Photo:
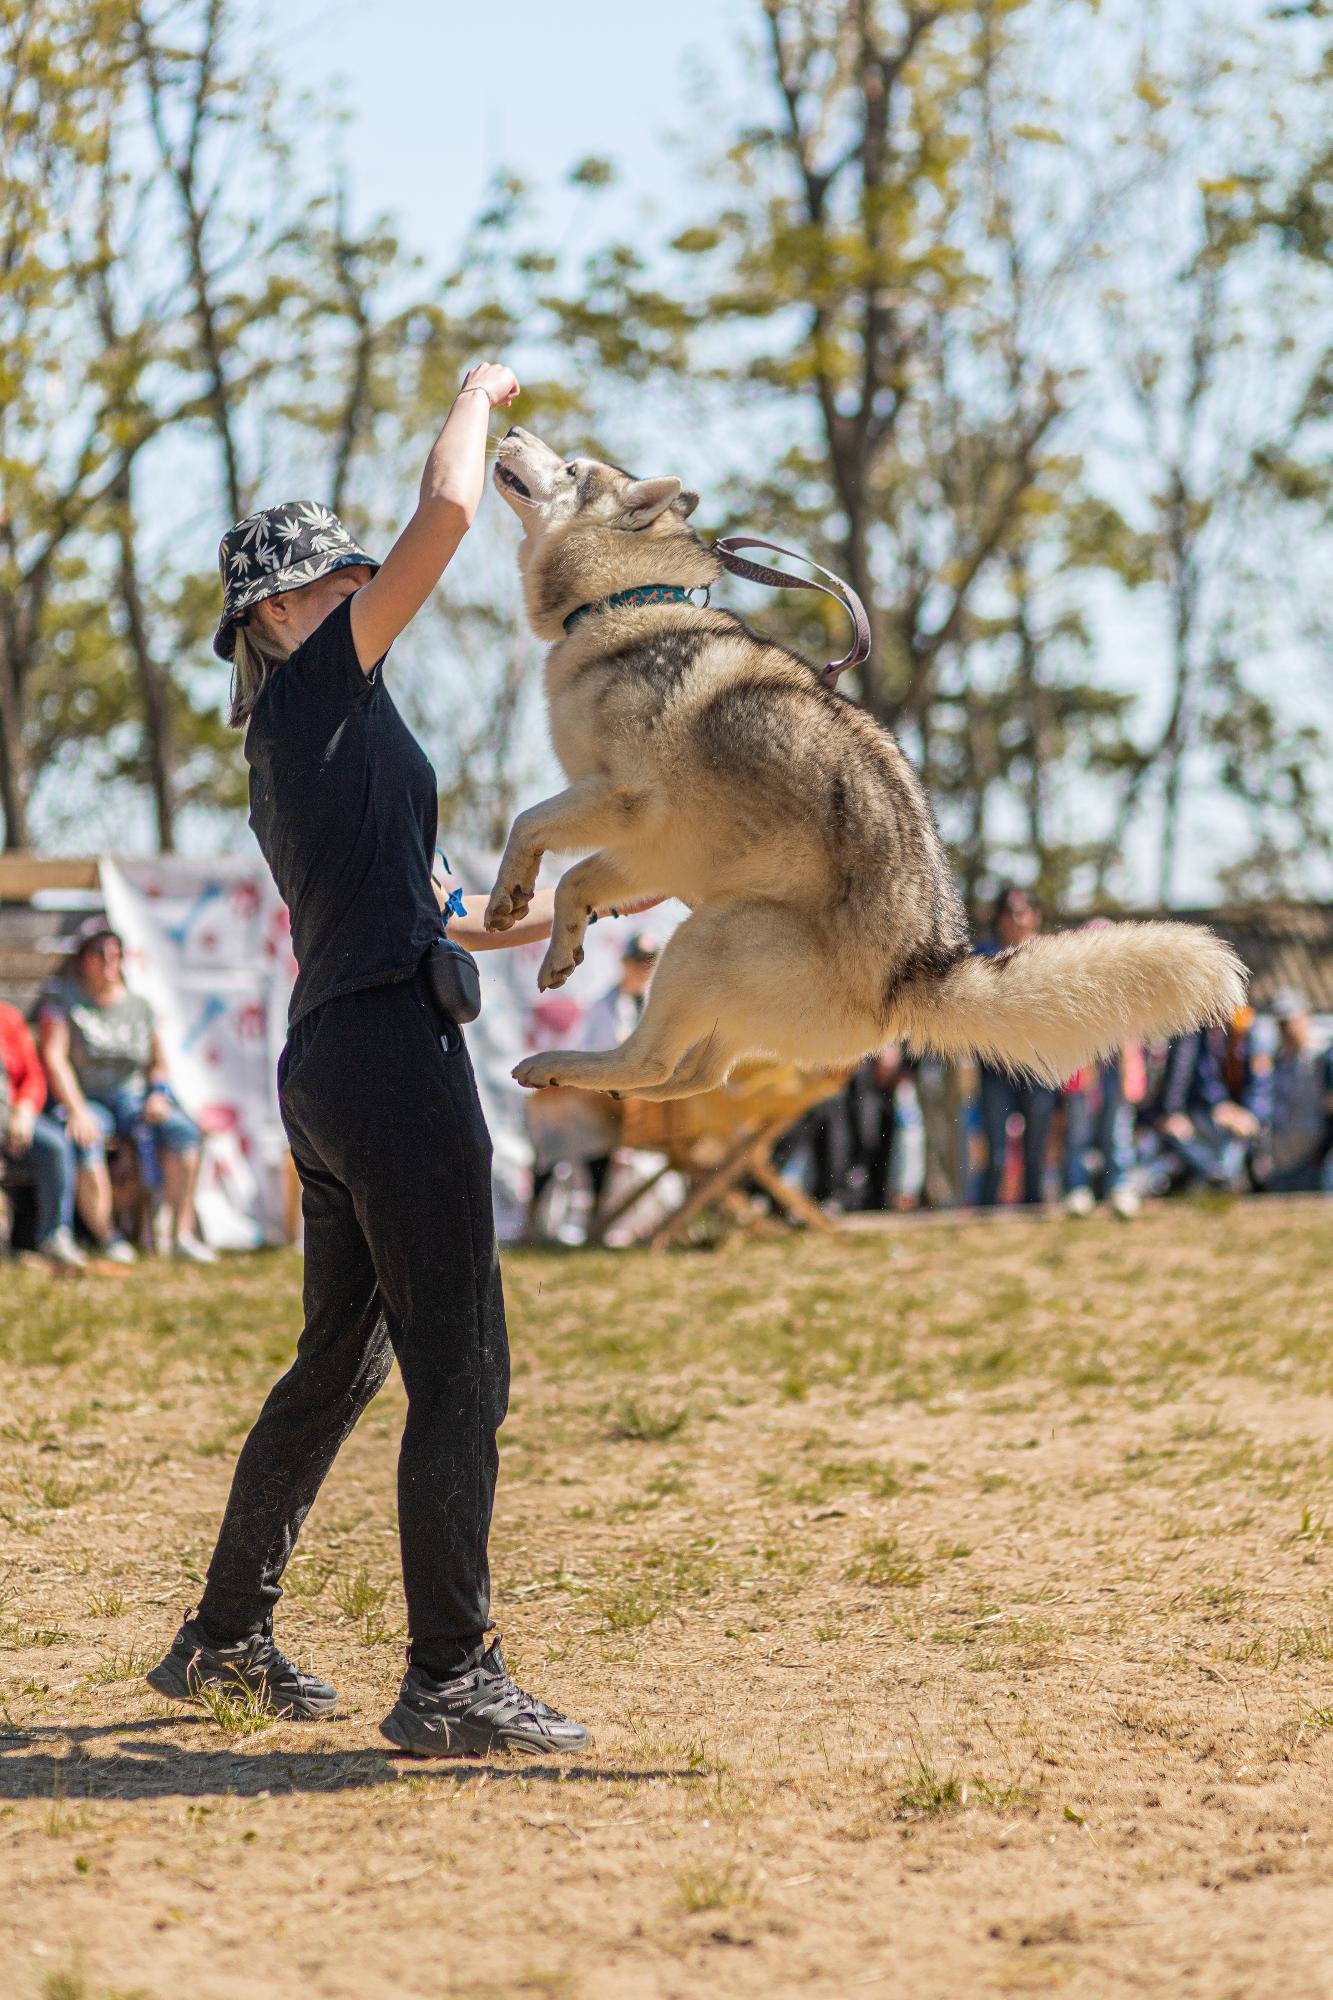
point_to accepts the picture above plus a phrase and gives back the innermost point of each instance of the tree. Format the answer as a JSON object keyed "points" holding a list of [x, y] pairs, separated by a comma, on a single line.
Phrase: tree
{"points": [[901, 291], [71, 423], [1204, 331]]}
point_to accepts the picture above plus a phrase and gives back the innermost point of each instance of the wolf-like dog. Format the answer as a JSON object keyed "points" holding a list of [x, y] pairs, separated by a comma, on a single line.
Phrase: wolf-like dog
{"points": [[710, 764]]}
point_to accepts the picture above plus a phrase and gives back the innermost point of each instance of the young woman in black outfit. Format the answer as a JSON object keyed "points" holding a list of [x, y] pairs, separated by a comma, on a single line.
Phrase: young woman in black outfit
{"points": [[381, 1108]]}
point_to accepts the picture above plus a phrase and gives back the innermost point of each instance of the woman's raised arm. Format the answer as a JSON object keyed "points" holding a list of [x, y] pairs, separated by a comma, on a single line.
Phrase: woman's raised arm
{"points": [[451, 489]]}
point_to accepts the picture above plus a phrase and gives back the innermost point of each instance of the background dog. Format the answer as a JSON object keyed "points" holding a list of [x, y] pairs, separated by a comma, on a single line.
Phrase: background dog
{"points": [[707, 763]]}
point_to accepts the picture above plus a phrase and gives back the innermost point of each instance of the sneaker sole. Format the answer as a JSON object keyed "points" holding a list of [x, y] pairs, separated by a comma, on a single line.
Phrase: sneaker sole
{"points": [[170, 1679], [449, 1742]]}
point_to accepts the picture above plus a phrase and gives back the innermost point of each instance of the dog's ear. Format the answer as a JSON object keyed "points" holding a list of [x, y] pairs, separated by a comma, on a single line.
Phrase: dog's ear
{"points": [[685, 503], [645, 499]]}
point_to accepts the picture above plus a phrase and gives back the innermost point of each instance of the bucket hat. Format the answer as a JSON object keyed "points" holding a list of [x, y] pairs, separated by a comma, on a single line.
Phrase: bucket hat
{"points": [[279, 548]]}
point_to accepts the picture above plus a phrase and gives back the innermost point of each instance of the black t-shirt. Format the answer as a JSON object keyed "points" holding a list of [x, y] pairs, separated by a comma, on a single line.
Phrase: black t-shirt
{"points": [[344, 805]]}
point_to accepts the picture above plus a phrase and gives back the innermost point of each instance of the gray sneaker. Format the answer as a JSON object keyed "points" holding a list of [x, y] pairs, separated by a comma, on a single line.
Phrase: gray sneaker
{"points": [[253, 1666], [477, 1714], [61, 1249]]}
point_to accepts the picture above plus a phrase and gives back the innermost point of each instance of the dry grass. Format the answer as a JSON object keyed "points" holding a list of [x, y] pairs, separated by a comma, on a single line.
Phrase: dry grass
{"points": [[953, 1606]]}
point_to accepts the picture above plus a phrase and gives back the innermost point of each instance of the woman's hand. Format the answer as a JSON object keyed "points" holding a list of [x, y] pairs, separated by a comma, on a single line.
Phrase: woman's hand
{"points": [[22, 1124], [84, 1129], [157, 1105], [497, 383]]}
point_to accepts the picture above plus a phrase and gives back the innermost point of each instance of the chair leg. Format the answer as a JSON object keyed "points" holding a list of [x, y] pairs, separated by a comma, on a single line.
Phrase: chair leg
{"points": [[795, 1202]]}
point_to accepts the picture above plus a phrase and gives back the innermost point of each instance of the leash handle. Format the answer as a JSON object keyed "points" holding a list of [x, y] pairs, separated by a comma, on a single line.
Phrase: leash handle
{"points": [[781, 579]]}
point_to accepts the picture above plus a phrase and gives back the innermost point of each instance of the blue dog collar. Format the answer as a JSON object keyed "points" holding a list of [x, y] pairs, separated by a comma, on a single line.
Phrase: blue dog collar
{"points": [[644, 593]]}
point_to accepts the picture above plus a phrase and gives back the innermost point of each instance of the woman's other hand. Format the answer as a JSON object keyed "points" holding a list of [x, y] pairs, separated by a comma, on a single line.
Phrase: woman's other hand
{"points": [[497, 383], [156, 1106], [84, 1129]]}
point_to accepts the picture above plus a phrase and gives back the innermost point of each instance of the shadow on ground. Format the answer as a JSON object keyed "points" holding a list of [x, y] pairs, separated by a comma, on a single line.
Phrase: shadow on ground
{"points": [[145, 1763]]}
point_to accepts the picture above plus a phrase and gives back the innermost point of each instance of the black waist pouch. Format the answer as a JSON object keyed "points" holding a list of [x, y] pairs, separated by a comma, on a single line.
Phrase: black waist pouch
{"points": [[455, 984]]}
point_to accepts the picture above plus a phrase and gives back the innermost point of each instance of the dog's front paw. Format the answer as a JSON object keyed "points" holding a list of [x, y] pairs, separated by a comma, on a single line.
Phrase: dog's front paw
{"points": [[509, 901], [539, 1072], [556, 967]]}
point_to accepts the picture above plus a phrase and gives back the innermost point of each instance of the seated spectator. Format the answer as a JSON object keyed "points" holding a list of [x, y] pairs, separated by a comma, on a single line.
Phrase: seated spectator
{"points": [[104, 1061], [1298, 1149], [37, 1145], [1099, 1117], [1002, 1097], [1209, 1132]]}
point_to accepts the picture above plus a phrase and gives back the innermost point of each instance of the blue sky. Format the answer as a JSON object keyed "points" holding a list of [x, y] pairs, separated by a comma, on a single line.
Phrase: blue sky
{"points": [[440, 96]]}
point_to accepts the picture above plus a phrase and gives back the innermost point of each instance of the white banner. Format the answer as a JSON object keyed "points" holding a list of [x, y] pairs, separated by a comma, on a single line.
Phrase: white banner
{"points": [[208, 945]]}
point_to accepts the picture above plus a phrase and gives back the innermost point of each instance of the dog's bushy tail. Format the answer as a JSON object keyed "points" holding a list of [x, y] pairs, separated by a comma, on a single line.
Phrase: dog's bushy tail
{"points": [[1055, 1004]]}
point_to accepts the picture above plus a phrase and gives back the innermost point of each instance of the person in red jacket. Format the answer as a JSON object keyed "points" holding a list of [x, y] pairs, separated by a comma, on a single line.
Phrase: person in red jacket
{"points": [[38, 1143]]}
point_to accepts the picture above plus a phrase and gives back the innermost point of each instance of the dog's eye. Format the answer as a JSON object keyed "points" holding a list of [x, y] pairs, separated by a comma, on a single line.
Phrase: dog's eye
{"points": [[571, 470]]}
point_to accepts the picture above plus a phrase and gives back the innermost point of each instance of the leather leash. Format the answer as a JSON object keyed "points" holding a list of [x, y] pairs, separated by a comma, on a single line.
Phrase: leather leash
{"points": [[780, 579]]}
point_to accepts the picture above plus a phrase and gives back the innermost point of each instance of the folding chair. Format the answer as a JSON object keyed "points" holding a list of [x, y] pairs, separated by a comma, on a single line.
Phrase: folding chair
{"points": [[719, 1141]]}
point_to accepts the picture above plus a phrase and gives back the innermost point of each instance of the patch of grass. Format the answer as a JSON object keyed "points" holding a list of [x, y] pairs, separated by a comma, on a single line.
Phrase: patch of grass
{"points": [[842, 1475], [1315, 1529], [72, 1984], [1289, 1642], [713, 1886], [308, 1579], [640, 1423], [29, 1430], [59, 1494], [886, 1564], [363, 1602], [107, 1604], [238, 1711], [128, 1666], [658, 1580], [628, 1608], [926, 1792]]}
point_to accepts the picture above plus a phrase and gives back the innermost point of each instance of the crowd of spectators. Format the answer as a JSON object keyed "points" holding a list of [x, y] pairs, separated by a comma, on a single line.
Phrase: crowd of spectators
{"points": [[94, 1079], [1245, 1108]]}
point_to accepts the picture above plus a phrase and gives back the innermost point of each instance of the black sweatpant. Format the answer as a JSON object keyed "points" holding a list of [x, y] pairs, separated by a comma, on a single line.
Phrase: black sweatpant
{"points": [[400, 1260]]}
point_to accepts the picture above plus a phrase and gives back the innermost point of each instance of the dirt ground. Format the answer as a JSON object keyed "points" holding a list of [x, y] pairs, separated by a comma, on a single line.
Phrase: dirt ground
{"points": [[952, 1606]]}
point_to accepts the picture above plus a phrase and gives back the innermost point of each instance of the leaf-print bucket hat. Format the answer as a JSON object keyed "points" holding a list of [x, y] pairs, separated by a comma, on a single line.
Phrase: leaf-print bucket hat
{"points": [[278, 549]]}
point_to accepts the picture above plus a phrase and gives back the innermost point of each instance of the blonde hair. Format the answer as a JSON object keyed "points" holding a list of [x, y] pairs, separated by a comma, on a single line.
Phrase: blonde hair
{"points": [[253, 661]]}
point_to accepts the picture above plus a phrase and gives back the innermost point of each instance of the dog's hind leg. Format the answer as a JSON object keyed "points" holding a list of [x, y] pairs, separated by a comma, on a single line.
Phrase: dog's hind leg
{"points": [[703, 1067], [586, 887], [751, 978]]}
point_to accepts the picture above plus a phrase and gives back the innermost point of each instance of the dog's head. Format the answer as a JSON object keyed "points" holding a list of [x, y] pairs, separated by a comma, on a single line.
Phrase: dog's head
{"points": [[590, 529], [548, 492]]}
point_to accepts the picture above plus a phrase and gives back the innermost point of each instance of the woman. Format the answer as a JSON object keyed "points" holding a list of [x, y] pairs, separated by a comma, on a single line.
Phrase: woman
{"points": [[381, 1110], [104, 1060]]}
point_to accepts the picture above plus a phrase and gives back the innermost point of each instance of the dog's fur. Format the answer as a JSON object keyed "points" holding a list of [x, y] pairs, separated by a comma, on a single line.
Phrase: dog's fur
{"points": [[706, 763]]}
